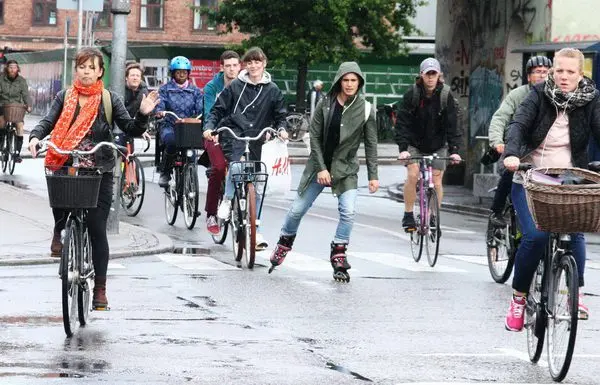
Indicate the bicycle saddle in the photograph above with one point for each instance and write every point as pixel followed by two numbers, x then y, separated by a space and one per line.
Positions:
pixel 594 166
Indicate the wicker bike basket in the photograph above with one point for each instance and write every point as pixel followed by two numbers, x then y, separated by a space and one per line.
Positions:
pixel 70 190
pixel 564 208
pixel 188 135
pixel 14 112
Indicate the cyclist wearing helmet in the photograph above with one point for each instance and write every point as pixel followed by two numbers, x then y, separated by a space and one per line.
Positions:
pixel 537 69
pixel 183 98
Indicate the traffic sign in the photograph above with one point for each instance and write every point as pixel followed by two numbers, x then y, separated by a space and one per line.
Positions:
pixel 88 5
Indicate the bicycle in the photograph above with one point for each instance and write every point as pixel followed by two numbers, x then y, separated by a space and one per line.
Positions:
pixel 183 190
pixel 298 125
pixel 76 189
pixel 553 300
pixel 133 183
pixel 427 217
pixel 502 244
pixel 246 175
pixel 221 237
pixel 13 114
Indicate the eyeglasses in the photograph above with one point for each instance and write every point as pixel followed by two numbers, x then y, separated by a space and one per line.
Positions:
pixel 540 72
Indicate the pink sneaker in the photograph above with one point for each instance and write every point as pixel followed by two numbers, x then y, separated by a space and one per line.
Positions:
pixel 212 225
pixel 584 312
pixel 515 317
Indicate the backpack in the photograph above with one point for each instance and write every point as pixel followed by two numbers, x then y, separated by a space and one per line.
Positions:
pixel 444 96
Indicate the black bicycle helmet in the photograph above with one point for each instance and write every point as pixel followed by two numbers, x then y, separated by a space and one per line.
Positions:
pixel 537 61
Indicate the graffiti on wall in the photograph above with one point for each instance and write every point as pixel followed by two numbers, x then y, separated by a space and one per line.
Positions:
pixel 462 59
pixel 576 37
pixel 513 81
pixel 485 94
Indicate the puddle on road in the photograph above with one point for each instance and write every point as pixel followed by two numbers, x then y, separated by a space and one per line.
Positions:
pixel 42 375
pixel 391 278
pixel 191 250
pixel 15 184
pixel 341 369
pixel 37 320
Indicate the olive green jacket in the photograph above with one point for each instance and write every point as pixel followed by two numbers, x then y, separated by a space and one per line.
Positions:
pixel 354 128
pixel 15 91
pixel 502 117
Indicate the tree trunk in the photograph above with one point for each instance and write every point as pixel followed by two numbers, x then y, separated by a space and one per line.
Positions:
pixel 301 87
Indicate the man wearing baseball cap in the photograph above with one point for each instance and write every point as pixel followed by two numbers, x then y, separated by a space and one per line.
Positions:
pixel 426 124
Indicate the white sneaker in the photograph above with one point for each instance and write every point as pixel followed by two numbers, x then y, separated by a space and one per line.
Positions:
pixel 261 243
pixel 224 210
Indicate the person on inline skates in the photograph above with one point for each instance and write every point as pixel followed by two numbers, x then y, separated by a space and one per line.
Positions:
pixel 342 118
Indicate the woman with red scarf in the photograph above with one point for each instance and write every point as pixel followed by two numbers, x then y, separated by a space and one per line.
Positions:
pixel 77 120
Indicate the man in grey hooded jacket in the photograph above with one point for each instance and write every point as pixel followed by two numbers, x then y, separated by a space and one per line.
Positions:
pixel 341 120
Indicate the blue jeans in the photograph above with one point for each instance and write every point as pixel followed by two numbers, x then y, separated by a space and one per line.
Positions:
pixel 534 242
pixel 346 208
pixel 235 168
pixel 167 138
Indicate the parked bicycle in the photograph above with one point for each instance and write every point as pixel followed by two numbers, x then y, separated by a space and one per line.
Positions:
pixel 250 180
pixel 133 182
pixel 13 114
pixel 553 300
pixel 297 125
pixel 75 188
pixel 502 244
pixel 183 190
pixel 427 212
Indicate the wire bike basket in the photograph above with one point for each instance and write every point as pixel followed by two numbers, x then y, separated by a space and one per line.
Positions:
pixel 564 208
pixel 14 112
pixel 249 171
pixel 73 188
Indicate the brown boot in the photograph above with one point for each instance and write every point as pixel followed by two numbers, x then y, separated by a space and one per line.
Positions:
pixel 99 301
pixel 56 246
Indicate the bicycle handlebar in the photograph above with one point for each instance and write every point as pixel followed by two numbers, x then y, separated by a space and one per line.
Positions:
pixel 48 143
pixel 245 138
pixel 433 157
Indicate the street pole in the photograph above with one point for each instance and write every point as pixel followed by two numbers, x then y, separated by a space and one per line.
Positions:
pixel 79 23
pixel 120 9
pixel 65 58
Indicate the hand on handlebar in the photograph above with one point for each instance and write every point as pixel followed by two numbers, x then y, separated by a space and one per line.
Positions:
pixel 456 159
pixel 404 155
pixel 208 135
pixel 512 163
pixel 33 146
pixel 160 114
pixel 146 136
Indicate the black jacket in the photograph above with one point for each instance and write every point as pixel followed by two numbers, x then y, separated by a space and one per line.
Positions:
pixel 133 99
pixel 426 126
pixel 256 106
pixel 536 114
pixel 100 131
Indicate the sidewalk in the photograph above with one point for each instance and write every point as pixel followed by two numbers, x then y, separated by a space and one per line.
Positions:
pixel 387 152
pixel 26 225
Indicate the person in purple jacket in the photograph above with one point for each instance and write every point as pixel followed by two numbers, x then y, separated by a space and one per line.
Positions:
pixel 182 97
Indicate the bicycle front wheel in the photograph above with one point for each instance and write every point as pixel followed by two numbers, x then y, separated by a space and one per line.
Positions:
pixel 12 154
pixel 535 316
pixel 70 276
pixel 171 199
pixel 238 231
pixel 190 196
pixel 4 152
pixel 562 321
pixel 297 126
pixel 416 236
pixel 501 247
pixel 432 235
pixel 250 252
pixel 220 238
pixel 133 187
pixel 87 275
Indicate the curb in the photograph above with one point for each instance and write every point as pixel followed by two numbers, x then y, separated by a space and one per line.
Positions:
pixel 165 245
pixel 395 193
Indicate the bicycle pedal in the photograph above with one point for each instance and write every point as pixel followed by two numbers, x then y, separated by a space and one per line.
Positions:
pixel 410 229
pixel 100 308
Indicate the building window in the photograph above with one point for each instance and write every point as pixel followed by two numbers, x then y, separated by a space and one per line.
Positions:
pixel 202 20
pixel 44 12
pixel 104 18
pixel 151 14
pixel 1 11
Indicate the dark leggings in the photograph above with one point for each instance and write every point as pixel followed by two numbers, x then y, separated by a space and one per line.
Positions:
pixel 96 221
pixel 502 192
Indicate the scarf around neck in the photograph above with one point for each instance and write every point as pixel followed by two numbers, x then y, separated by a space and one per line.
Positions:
pixel 67 136
pixel 568 101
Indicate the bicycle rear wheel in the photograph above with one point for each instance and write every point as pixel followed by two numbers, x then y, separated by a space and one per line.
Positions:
pixel 190 196
pixel 501 248
pixel 416 237
pixel 250 252
pixel 87 274
pixel 220 238
pixel 172 199
pixel 562 321
pixel 4 152
pixel 297 126
pixel 133 187
pixel 432 236
pixel 70 276
pixel 238 233
pixel 12 155
pixel 535 316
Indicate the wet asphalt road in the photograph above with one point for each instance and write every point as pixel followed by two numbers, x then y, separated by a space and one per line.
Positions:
pixel 200 319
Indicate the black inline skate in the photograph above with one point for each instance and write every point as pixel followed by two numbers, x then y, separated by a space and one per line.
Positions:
pixel 339 262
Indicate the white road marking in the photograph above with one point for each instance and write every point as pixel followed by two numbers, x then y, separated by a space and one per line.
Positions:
pixel 476 259
pixel 113 265
pixel 394 260
pixel 467 383
pixel 195 263
pixel 592 265
pixel 522 355
pixel 299 261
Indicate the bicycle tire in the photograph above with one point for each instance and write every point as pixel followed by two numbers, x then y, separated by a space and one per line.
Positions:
pixel 12 155
pixel 416 237
pixel 535 316
pixel 220 238
pixel 238 236
pixel 132 195
pixel 87 271
pixel 501 248
pixel 250 225
pixel 189 196
pixel 4 153
pixel 432 237
pixel 172 199
pixel 559 363
pixel 68 263
pixel 298 125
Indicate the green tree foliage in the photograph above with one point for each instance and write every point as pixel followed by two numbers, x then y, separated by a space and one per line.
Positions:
pixel 312 31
